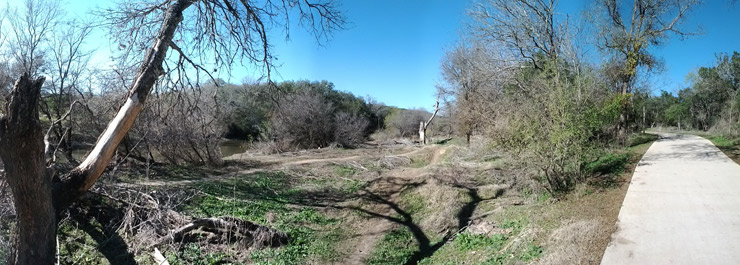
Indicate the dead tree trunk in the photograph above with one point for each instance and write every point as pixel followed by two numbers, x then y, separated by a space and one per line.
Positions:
pixel 423 125
pixel 22 152
pixel 38 200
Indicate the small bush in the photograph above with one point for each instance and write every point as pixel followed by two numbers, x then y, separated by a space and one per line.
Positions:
pixel 722 142
pixel 607 164
pixel 641 138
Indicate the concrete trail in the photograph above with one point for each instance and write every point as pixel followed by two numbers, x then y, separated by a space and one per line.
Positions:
pixel 682 207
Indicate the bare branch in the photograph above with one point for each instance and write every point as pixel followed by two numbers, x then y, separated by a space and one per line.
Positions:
pixel 47 142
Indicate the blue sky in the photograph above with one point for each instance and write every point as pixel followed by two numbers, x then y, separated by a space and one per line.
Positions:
pixel 720 23
pixel 391 50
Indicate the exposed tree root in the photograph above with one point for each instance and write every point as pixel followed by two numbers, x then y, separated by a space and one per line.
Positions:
pixel 227 230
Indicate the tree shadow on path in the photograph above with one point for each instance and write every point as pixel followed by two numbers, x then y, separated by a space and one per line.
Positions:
pixel 425 246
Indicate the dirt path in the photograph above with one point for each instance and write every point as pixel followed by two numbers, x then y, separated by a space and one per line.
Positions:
pixel 682 207
pixel 388 188
pixel 385 189
pixel 274 163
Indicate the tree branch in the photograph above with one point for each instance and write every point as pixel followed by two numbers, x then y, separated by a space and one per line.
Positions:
pixel 69 187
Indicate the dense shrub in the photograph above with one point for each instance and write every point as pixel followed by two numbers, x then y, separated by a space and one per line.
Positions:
pixel 250 111
pixel 350 129
pixel 405 123
pixel 549 128
pixel 303 120
pixel 299 114
pixel 185 127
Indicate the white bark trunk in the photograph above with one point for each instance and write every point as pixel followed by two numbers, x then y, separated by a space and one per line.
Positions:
pixel 98 159
pixel 423 125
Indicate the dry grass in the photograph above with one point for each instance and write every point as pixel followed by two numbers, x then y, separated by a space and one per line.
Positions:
pixel 579 227
pixel 570 243
pixel 438 205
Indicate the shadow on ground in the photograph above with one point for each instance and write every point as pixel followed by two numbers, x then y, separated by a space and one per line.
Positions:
pixel 425 247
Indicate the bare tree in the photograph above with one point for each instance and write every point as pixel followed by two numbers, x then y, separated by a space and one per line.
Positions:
pixel 6 76
pixel 456 70
pixel 31 27
pixel 474 75
pixel 527 27
pixel 68 64
pixel 629 38
pixel 22 152
pixel 231 29
pixel 650 24
pixel 350 129
pixel 184 127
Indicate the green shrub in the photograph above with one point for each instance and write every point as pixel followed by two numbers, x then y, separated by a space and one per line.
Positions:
pixel 192 254
pixel 344 171
pixel 516 225
pixel 641 138
pixel 550 129
pixel 607 164
pixel 722 142
pixel 498 259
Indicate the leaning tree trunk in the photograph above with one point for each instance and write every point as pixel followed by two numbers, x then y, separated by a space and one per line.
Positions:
pixel 71 186
pixel 37 200
pixel 22 152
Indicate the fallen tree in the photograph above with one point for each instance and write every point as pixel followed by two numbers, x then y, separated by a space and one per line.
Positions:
pixel 153 216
